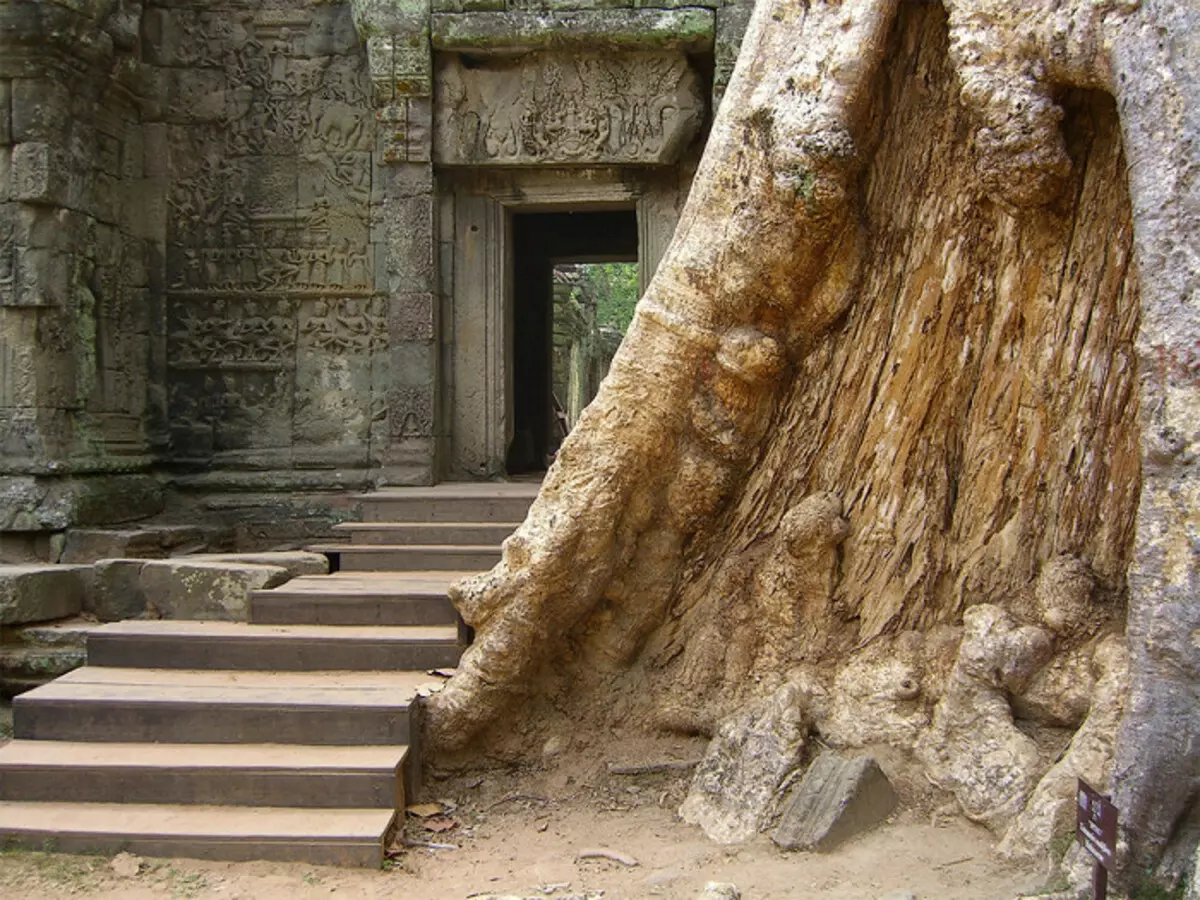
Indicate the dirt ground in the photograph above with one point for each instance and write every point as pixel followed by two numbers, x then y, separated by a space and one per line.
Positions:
pixel 519 833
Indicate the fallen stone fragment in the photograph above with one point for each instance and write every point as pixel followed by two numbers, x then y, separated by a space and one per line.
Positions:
pixel 38 593
pixel 720 890
pixel 126 865
pixel 734 788
pixel 837 799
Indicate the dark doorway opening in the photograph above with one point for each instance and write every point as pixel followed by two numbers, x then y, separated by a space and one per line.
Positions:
pixel 540 241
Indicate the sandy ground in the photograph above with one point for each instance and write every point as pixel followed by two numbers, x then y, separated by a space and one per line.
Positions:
pixel 519 833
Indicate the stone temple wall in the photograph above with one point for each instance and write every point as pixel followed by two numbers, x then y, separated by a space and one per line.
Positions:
pixel 274 330
pixel 226 225
pixel 80 234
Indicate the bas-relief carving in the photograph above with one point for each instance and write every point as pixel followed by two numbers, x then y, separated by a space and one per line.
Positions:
pixel 635 108
pixel 411 412
pixel 347 326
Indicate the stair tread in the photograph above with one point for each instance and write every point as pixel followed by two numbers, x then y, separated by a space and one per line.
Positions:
pixel 284 757
pixel 174 628
pixel 237 686
pixel 462 490
pixel 407 548
pixel 422 526
pixel 183 821
pixel 376 583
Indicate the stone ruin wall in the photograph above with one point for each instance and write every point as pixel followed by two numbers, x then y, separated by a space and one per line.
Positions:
pixel 220 231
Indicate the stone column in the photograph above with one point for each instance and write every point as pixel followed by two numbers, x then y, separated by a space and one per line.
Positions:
pixel 404 232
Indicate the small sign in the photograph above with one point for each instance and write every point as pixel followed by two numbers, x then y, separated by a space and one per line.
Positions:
pixel 1096 824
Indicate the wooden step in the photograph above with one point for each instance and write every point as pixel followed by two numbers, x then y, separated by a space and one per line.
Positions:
pixel 227 774
pixel 359 598
pixel 337 837
pixel 455 502
pixel 399 558
pixel 172 644
pixel 187 706
pixel 422 533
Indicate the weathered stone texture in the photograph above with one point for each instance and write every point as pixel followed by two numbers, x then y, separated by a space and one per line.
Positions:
pixel 688 30
pixel 84 545
pixel 567 109
pixel 837 799
pixel 179 588
pixel 733 791
pixel 34 593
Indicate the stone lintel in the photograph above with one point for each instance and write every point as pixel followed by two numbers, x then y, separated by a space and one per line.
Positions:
pixel 566 109
pixel 687 30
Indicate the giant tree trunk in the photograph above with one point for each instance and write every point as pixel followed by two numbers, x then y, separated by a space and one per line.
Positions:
pixel 874 433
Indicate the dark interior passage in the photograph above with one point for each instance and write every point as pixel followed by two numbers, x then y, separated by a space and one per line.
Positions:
pixel 539 240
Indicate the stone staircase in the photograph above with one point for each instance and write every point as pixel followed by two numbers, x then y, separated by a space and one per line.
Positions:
pixel 290 737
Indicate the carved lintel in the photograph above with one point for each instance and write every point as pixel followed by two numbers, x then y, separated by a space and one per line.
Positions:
pixel 564 109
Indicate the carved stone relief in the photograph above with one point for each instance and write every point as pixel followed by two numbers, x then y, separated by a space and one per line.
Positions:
pixel 546 108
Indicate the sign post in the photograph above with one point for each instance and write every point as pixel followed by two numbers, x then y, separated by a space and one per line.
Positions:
pixel 1096 829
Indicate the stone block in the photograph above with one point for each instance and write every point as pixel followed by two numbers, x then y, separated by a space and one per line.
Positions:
pixel 5 112
pixel 182 589
pixel 42 277
pixel 410 262
pixel 837 799
pixel 40 111
pixel 195 95
pixel 87 545
pixel 5 179
pixel 411 318
pixel 38 593
pixel 296 562
pixel 399 180
pixel 686 30
pixel 40 174
pixel 179 588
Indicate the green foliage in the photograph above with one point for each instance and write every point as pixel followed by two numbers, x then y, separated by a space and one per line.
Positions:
pixel 614 288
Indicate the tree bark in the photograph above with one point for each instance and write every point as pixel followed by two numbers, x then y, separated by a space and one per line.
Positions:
pixel 885 378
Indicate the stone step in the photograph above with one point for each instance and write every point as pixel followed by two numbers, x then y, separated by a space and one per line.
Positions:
pixel 359 598
pixel 166 644
pixel 415 533
pixel 187 706
pixel 226 774
pixel 458 502
pixel 399 558
pixel 336 837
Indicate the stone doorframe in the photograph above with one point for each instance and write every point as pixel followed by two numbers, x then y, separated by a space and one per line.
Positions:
pixel 476 277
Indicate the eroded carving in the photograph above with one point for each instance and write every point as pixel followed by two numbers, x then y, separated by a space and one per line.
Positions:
pixel 227 333
pixel 552 108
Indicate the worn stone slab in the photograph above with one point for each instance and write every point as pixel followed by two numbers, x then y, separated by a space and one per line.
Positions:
pixel 88 545
pixel 38 593
pixel 837 799
pixel 296 562
pixel 179 588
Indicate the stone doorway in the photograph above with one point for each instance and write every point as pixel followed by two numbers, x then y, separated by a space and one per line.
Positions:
pixel 559 216
pixel 542 242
